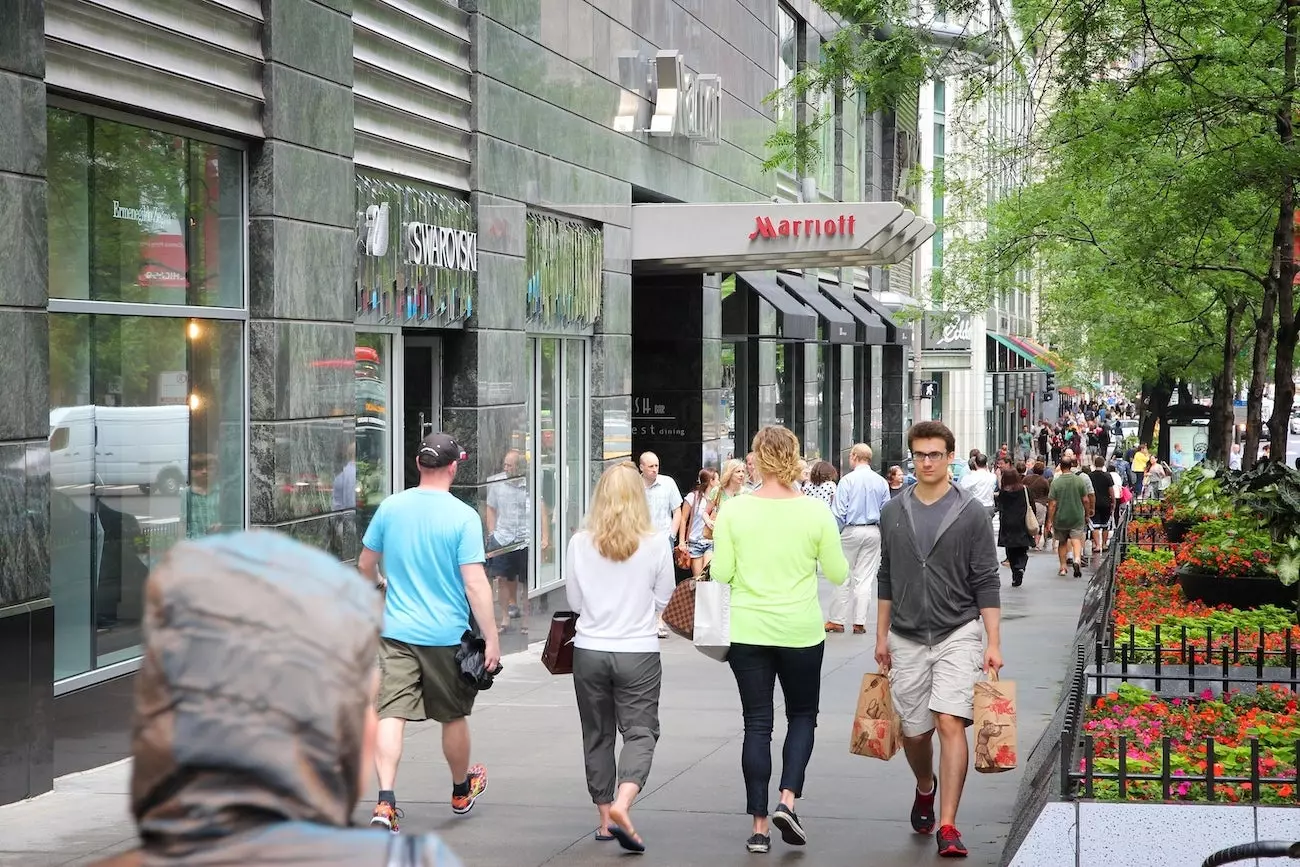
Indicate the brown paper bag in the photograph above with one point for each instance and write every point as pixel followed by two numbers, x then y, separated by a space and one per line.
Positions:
pixel 995 725
pixel 877 728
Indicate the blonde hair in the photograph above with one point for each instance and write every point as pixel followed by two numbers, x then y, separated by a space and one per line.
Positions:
pixel 729 471
pixel 619 519
pixel 776 454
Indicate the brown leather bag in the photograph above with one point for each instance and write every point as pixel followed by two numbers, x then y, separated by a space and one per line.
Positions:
pixel 679 616
pixel 557 655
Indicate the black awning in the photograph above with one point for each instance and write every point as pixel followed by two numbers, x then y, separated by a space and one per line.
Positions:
pixel 794 321
pixel 900 335
pixel 837 326
pixel 869 324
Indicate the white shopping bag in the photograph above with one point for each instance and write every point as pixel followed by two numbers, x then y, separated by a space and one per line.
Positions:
pixel 713 619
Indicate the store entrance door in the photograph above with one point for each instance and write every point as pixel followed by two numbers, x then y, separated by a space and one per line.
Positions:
pixel 422 397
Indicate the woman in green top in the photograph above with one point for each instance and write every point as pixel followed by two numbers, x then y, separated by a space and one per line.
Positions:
pixel 767 546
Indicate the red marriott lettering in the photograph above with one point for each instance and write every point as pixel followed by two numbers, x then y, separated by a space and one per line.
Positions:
pixel 763 227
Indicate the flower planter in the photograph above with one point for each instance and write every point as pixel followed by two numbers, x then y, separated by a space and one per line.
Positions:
pixel 1248 591
pixel 1175 531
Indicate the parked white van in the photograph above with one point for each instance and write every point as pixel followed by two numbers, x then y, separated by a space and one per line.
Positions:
pixel 147 446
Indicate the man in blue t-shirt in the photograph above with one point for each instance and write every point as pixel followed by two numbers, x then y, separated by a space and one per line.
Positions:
pixel 432 549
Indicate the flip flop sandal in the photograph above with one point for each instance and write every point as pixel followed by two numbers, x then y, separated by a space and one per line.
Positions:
pixel 604 838
pixel 626 840
pixel 1062 572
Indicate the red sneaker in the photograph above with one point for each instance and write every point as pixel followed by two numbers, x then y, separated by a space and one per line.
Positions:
pixel 950 844
pixel 477 786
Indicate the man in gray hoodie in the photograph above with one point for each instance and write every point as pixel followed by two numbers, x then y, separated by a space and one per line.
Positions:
pixel 938 579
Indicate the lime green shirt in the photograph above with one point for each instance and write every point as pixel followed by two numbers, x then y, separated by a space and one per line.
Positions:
pixel 768 551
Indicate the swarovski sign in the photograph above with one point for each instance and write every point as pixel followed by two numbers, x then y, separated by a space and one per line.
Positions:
pixel 946 333
pixel 426 244
pixel 660 97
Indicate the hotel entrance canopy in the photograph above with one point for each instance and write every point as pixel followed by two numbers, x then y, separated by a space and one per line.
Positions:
pixel 759 236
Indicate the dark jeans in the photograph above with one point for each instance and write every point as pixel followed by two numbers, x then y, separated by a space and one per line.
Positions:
pixel 757 668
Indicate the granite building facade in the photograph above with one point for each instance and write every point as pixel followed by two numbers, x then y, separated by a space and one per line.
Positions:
pixel 260 247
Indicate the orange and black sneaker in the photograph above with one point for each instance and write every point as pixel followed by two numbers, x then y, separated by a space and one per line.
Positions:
pixel 950 844
pixel 386 816
pixel 477 785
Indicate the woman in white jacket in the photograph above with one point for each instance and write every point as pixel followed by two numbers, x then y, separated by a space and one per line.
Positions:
pixel 619 578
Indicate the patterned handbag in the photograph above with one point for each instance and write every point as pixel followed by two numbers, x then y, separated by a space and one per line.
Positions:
pixel 679 616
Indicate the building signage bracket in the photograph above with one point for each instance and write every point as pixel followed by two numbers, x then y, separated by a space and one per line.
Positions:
pixel 661 98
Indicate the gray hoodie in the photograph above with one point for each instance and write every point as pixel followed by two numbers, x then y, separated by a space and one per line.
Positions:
pixel 936 592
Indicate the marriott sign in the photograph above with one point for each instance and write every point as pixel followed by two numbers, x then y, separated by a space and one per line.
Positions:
pixel 764 227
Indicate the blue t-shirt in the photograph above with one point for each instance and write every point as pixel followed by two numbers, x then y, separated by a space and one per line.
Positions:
pixel 425 537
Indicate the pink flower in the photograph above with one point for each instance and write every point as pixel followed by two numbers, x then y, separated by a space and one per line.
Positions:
pixel 1208 694
pixel 1182 788
pixel 1177 702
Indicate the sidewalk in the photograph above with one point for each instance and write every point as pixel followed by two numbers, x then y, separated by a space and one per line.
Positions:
pixel 537 811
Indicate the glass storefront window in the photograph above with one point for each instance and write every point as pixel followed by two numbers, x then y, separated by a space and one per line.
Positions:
pixel 558 408
pixel 367 476
pixel 787 60
pixel 142 215
pixel 146 448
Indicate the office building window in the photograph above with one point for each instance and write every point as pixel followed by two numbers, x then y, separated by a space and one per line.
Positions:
pixel 559 409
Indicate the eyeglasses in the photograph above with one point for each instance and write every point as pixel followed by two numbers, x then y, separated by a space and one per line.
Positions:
pixel 928 457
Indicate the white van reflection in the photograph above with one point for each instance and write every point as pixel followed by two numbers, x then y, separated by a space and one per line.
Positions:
pixel 143 446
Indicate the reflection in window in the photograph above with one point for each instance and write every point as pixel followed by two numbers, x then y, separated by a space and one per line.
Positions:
pixel 787 60
pixel 146 448
pixel 558 407
pixel 367 475
pixel 142 215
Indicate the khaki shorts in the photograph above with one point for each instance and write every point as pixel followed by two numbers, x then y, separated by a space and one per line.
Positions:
pixel 1064 534
pixel 940 679
pixel 419 683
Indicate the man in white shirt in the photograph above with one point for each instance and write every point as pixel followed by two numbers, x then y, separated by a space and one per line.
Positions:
pixel 981 483
pixel 665 503
pixel 1234 457
pixel 861 494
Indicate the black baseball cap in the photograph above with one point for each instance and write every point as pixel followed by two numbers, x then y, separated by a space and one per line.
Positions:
pixel 439 450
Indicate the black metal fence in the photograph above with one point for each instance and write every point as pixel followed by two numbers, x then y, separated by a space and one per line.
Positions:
pixel 1188 665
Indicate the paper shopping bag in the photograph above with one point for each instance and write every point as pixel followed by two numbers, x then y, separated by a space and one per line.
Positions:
pixel 877 728
pixel 995 725
pixel 712 634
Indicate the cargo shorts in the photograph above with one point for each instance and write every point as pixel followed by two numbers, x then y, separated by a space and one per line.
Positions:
pixel 418 683
pixel 926 680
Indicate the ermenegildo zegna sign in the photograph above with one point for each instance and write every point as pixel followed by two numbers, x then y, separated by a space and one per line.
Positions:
pixel 417 254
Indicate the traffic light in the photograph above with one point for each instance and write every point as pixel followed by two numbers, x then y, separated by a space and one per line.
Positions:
pixel 1051 381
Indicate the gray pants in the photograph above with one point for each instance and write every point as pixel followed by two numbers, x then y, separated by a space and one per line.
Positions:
pixel 617 691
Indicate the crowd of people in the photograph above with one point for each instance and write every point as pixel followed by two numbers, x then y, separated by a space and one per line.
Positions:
pixel 771 527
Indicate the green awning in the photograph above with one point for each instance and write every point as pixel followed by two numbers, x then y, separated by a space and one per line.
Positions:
pixel 1020 351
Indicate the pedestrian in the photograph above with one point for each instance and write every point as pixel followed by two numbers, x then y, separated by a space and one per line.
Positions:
pixel 1014 504
pixel 1234 458
pixel 1070 503
pixel 938 581
pixel 697 523
pixel 1024 444
pixel 508 518
pixel 619 578
pixel 896 480
pixel 1103 511
pixel 1158 476
pixel 981 483
pixel 858 501
pixel 665 503
pixel 730 484
pixel 431 543
pixel 1044 440
pixel 1141 459
pixel 752 477
pixel 1179 460
pixel 253 735
pixel 768 548
pixel 1037 484
pixel 822 480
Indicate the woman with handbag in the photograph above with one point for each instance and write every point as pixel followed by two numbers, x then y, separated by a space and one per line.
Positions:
pixel 1017 524
pixel 619 578
pixel 697 528
pixel 767 546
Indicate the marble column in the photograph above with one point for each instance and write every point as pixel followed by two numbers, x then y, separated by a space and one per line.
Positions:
pixel 26 611
pixel 302 205
pixel 894 393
